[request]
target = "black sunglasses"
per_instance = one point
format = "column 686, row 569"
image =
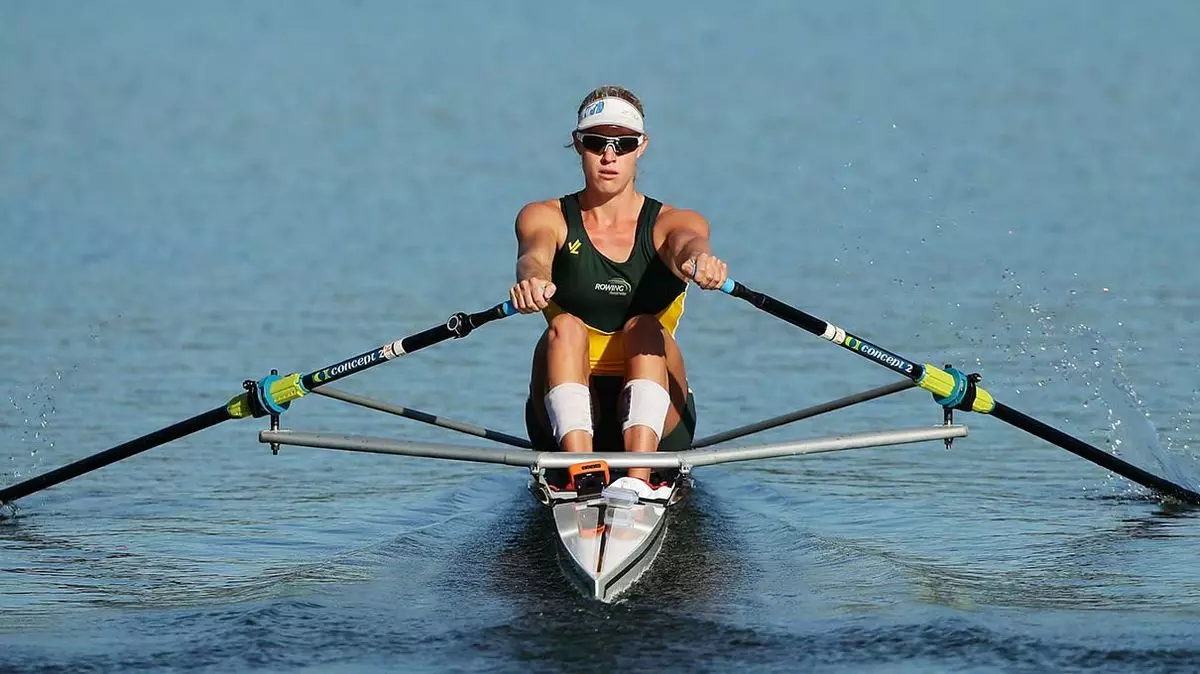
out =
column 594, row 142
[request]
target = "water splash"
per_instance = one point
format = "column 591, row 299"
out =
column 33, row 414
column 1063, row 356
column 27, row 422
column 1131, row 434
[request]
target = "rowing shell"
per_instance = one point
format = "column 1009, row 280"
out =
column 607, row 542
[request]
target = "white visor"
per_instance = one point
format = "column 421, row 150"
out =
column 610, row 111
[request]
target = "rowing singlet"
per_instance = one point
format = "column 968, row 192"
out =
column 605, row 294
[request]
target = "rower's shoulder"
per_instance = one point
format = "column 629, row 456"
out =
column 541, row 209
column 540, row 216
column 670, row 217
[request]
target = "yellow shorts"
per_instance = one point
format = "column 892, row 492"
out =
column 606, row 350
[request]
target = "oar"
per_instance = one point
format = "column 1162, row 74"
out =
column 270, row 395
column 952, row 388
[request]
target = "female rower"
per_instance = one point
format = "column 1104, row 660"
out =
column 608, row 266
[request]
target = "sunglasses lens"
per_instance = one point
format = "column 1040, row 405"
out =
column 593, row 143
column 627, row 144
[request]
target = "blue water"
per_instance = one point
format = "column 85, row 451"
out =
column 191, row 195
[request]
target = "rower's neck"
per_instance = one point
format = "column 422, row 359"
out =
column 610, row 210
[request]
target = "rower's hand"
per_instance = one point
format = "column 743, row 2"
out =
column 531, row 295
column 707, row 271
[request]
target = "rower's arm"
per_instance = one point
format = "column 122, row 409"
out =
column 538, row 238
column 685, row 237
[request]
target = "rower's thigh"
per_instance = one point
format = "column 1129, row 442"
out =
column 538, row 371
column 644, row 335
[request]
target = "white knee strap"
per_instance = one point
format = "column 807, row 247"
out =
column 647, row 404
column 569, row 407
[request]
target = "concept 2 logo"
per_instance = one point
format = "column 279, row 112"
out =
column 352, row 365
column 878, row 355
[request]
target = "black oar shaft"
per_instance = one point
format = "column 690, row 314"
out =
column 779, row 309
column 1091, row 453
column 808, row 322
column 121, row 451
column 458, row 325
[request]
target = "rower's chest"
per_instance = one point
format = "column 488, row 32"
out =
column 614, row 243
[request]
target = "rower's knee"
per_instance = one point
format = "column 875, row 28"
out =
column 566, row 330
column 646, row 403
column 642, row 325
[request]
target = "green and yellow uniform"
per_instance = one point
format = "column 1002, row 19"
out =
column 604, row 294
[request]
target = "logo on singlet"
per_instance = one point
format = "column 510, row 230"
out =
column 616, row 286
column 573, row 247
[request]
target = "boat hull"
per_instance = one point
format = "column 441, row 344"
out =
column 605, row 547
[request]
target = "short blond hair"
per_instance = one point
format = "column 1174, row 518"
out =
column 612, row 91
